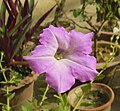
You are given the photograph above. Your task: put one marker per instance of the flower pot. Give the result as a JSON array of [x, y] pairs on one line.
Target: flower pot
[[111, 67], [23, 93], [107, 96]]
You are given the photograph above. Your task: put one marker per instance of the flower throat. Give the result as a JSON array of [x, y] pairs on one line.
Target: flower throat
[[59, 54]]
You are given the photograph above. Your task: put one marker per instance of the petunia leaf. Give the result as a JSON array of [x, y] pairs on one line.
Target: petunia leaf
[[100, 77]]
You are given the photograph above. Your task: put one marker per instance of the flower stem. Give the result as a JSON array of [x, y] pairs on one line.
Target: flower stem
[[61, 98], [79, 102], [44, 95], [8, 99], [7, 88]]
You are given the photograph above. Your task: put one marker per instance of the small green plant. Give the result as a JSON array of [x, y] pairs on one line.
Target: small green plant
[[63, 104], [17, 38], [13, 80]]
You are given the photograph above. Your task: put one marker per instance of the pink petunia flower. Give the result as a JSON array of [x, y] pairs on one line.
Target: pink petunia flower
[[64, 56]]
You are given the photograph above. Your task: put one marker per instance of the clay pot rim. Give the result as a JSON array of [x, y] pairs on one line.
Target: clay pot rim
[[100, 107]]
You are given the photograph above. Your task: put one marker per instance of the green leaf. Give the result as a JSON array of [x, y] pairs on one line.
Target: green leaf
[[86, 104], [63, 103], [98, 6], [86, 88], [12, 96], [40, 20], [32, 3], [3, 89], [27, 50], [119, 11], [1, 32], [42, 89], [19, 16], [1, 29], [29, 107], [2, 104], [12, 31], [3, 8], [100, 77], [82, 17], [76, 12], [115, 0], [24, 108], [21, 37]]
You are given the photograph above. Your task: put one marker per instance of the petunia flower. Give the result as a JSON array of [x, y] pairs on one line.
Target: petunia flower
[[64, 56]]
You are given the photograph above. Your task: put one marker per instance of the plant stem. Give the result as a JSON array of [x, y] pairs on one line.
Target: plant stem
[[8, 99], [7, 88], [61, 98], [44, 95], [79, 102]]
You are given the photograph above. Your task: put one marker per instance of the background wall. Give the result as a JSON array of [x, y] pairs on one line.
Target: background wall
[[44, 5]]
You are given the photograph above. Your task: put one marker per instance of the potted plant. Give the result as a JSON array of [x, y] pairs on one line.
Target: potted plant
[[63, 57], [99, 98], [16, 38]]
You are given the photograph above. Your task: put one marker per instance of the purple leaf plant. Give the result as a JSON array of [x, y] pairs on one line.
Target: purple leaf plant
[[64, 57]]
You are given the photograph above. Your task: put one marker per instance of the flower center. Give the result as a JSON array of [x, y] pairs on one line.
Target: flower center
[[59, 54]]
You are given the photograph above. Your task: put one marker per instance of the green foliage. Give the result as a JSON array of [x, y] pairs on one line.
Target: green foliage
[[17, 30], [81, 12], [86, 88], [100, 77], [14, 79], [107, 9], [63, 104], [29, 107], [76, 12]]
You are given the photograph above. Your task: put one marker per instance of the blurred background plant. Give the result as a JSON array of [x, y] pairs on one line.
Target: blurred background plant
[[14, 80], [17, 38], [17, 32], [108, 12]]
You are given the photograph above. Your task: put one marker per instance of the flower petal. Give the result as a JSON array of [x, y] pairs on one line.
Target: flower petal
[[60, 77], [42, 50], [48, 39], [81, 43], [40, 64], [55, 37], [85, 60], [83, 67]]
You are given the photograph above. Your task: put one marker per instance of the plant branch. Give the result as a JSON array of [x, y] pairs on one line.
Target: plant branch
[[6, 81], [44, 95], [77, 23], [79, 102]]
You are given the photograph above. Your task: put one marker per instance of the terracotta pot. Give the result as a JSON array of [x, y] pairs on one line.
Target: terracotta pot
[[111, 67], [23, 93], [107, 91]]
